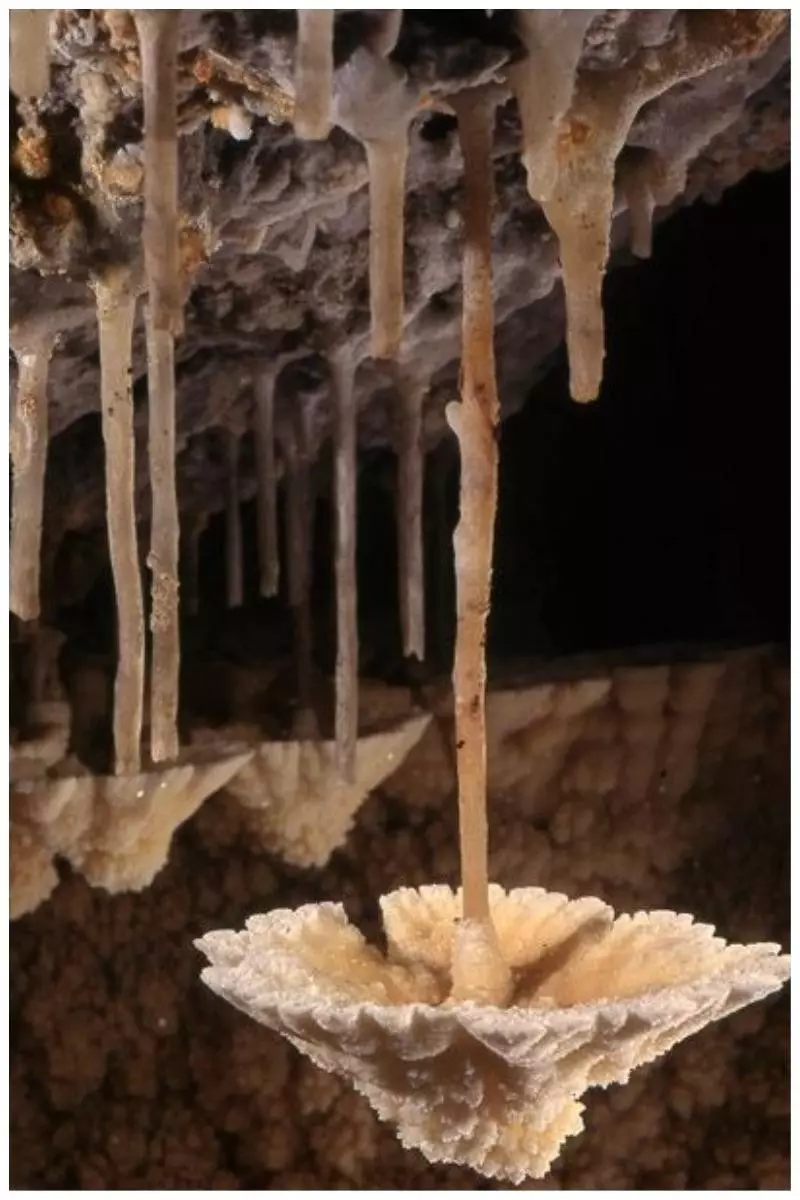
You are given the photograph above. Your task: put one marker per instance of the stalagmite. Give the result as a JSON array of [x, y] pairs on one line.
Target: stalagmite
[[343, 372], [299, 541], [580, 206], [411, 468], [375, 103], [30, 51], [158, 40], [543, 84], [478, 971], [313, 72], [234, 563], [28, 438], [116, 311]]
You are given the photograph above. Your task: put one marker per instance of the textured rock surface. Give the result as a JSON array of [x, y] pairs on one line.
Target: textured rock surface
[[126, 1073], [276, 230]]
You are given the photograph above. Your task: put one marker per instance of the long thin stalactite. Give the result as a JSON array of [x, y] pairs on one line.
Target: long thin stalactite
[[478, 968], [158, 40], [313, 73], [116, 311], [29, 439], [343, 371]]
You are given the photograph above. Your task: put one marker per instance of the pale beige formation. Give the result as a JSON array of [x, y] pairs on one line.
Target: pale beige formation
[[30, 51], [115, 830], [574, 132], [313, 73], [116, 296], [296, 801], [158, 41], [494, 1087]]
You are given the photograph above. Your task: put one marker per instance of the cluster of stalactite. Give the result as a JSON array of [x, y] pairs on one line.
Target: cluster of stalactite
[[575, 123]]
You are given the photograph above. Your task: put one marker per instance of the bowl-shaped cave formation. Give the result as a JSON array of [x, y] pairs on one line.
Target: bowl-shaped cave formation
[[399, 581]]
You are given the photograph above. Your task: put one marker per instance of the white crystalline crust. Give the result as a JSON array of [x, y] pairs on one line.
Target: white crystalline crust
[[115, 829], [497, 1089], [296, 802]]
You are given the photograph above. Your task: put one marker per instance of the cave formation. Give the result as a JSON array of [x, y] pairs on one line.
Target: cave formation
[[236, 325]]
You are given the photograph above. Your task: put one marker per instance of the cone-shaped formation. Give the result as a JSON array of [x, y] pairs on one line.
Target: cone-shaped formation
[[30, 51], [296, 802], [497, 1089], [116, 310], [28, 439], [234, 561], [313, 73], [579, 205], [115, 830], [158, 40], [375, 103]]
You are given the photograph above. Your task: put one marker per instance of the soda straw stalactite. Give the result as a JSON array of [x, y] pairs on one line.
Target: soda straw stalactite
[[343, 366], [158, 41], [313, 73], [409, 516], [30, 52], [299, 540], [479, 971], [234, 564], [29, 438], [116, 311]]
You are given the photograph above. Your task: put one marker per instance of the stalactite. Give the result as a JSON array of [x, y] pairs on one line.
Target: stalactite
[[234, 563], [295, 443], [264, 385], [116, 310], [411, 465], [635, 185], [543, 84], [477, 961], [591, 136], [158, 40], [28, 437], [190, 541], [313, 73], [384, 34], [343, 366], [30, 51], [376, 104]]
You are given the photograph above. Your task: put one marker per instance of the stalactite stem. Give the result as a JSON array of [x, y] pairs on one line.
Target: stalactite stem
[[163, 559], [158, 42], [475, 422], [313, 73], [30, 51], [116, 310], [234, 563], [29, 438], [386, 159], [267, 494], [411, 572], [343, 370]]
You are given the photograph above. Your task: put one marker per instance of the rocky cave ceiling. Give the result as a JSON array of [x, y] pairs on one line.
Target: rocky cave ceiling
[[276, 229]]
